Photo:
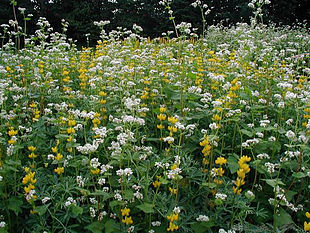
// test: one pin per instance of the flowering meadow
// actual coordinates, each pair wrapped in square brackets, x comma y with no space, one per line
[141,135]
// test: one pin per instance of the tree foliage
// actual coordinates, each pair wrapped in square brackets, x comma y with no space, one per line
[149,14]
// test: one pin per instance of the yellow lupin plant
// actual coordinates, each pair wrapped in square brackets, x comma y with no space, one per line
[172,218]
[307,224]
[127,220]
[243,170]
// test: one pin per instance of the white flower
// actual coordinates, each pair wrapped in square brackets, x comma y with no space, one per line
[213,126]
[45,199]
[2,224]
[290,135]
[202,218]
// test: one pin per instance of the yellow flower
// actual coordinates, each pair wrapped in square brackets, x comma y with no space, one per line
[172,227]
[59,170]
[162,109]
[161,117]
[307,214]
[220,161]
[94,171]
[244,159]
[32,155]
[237,190]
[125,211]
[70,130]
[307,226]
[173,191]
[156,183]
[216,117]
[127,220]
[32,148]
[172,129]
[12,141]
[58,157]
[161,126]
[12,132]
[173,217]
[71,123]
[173,120]
[29,188]
[54,149]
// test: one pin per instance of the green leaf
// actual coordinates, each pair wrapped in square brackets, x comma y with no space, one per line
[202,227]
[95,227]
[146,208]
[246,132]
[282,218]
[111,226]
[273,182]
[41,209]
[299,175]
[232,164]
[76,210]
[210,185]
[15,204]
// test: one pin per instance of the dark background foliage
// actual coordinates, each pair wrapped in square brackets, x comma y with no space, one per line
[148,13]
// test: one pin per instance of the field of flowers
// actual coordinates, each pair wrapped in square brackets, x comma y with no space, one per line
[140,135]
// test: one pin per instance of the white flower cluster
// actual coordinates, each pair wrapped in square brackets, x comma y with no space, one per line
[221,196]
[203,218]
[131,103]
[70,201]
[45,199]
[80,181]
[124,172]
[94,163]
[280,197]
[132,119]
[263,156]
[250,142]
[2,224]
[271,167]
[88,148]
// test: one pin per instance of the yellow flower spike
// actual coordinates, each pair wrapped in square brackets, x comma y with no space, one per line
[127,220]
[220,161]
[307,214]
[307,226]
[125,211]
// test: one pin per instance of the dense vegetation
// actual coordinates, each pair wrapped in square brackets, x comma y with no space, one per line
[184,132]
